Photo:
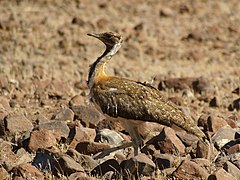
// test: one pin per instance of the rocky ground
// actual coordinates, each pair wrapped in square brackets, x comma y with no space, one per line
[189,50]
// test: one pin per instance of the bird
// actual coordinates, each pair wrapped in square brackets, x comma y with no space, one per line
[130,102]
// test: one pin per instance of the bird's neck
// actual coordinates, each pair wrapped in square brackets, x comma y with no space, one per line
[97,69]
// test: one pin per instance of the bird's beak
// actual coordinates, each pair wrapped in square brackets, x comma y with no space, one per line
[94,35]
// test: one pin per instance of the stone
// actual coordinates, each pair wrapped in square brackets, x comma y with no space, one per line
[90,148]
[163,161]
[138,165]
[7,156]
[80,176]
[223,136]
[232,123]
[65,115]
[166,12]
[80,134]
[110,165]
[60,127]
[4,101]
[168,142]
[23,157]
[233,149]
[190,170]
[204,163]
[18,124]
[77,100]
[87,162]
[4,174]
[27,171]
[186,138]
[221,174]
[67,165]
[108,136]
[232,169]
[88,115]
[3,82]
[215,123]
[176,83]
[42,139]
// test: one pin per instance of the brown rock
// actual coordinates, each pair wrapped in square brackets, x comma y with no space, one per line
[7,156]
[4,101]
[27,171]
[4,174]
[67,165]
[65,115]
[90,148]
[232,169]
[186,138]
[79,21]
[176,83]
[3,81]
[163,161]
[234,149]
[89,116]
[204,163]
[190,170]
[60,127]
[166,12]
[169,143]
[87,162]
[77,100]
[215,123]
[80,176]
[138,165]
[42,139]
[80,134]
[110,165]
[214,102]
[23,157]
[221,174]
[18,124]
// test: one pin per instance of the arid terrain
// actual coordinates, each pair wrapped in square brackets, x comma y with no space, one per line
[189,50]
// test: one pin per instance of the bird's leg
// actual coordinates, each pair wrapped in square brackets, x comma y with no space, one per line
[136,139]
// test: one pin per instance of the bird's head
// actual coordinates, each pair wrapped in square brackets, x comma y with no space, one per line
[111,40]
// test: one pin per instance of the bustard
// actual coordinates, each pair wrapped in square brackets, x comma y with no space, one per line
[131,102]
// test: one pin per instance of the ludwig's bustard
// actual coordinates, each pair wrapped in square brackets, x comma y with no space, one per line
[129,101]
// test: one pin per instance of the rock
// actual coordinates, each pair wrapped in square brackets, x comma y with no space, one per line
[176,83]
[233,149]
[27,171]
[80,176]
[18,124]
[42,139]
[110,165]
[186,138]
[65,115]
[108,136]
[89,116]
[163,161]
[79,21]
[138,165]
[221,174]
[236,91]
[166,12]
[87,162]
[190,170]
[44,160]
[223,136]
[3,82]
[7,156]
[60,127]
[4,101]
[215,123]
[204,163]
[23,157]
[201,85]
[77,100]
[206,150]
[234,105]
[232,169]
[66,165]
[168,142]
[4,174]
[233,158]
[232,123]
[80,134]
[90,148]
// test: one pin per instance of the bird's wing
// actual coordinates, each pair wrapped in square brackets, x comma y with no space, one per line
[133,100]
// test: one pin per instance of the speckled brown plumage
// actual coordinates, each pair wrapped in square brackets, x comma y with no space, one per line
[129,101]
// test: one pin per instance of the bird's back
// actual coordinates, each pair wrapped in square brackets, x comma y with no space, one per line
[118,97]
